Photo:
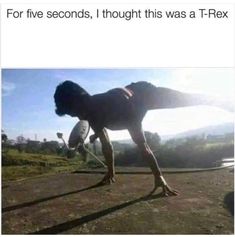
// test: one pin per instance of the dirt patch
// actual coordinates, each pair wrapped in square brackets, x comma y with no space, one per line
[72,204]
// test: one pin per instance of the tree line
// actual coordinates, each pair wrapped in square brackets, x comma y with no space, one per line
[190,152]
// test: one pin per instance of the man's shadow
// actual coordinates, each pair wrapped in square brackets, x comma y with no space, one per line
[31,203]
[93,216]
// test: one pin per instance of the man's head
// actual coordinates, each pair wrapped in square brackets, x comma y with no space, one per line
[69,98]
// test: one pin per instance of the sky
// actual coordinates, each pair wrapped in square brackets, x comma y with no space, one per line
[28,104]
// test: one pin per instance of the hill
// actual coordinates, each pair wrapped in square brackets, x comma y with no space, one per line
[209,130]
[219,129]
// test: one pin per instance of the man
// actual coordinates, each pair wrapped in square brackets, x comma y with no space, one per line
[122,108]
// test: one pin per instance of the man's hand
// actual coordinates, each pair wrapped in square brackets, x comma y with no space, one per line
[93,138]
[166,189]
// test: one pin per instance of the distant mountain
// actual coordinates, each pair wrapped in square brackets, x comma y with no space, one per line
[210,130]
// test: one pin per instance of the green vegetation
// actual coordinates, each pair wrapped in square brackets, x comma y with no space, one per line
[18,165]
[35,158]
[192,152]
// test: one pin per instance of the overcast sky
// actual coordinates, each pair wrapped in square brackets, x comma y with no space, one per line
[28,105]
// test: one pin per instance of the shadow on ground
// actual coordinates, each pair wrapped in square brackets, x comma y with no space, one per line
[28,204]
[229,202]
[85,219]
[55,205]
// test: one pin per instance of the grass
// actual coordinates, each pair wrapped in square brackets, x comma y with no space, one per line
[18,165]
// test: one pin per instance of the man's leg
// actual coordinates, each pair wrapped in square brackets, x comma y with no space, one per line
[107,150]
[139,138]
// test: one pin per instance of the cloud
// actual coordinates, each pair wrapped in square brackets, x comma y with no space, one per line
[7,88]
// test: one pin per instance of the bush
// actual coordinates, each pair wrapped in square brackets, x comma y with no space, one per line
[192,153]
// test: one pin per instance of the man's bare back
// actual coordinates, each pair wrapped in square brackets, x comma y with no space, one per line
[122,108]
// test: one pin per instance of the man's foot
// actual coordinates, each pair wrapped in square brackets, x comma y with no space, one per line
[108,179]
[166,189]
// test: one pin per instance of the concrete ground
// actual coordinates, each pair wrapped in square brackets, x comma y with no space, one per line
[72,204]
